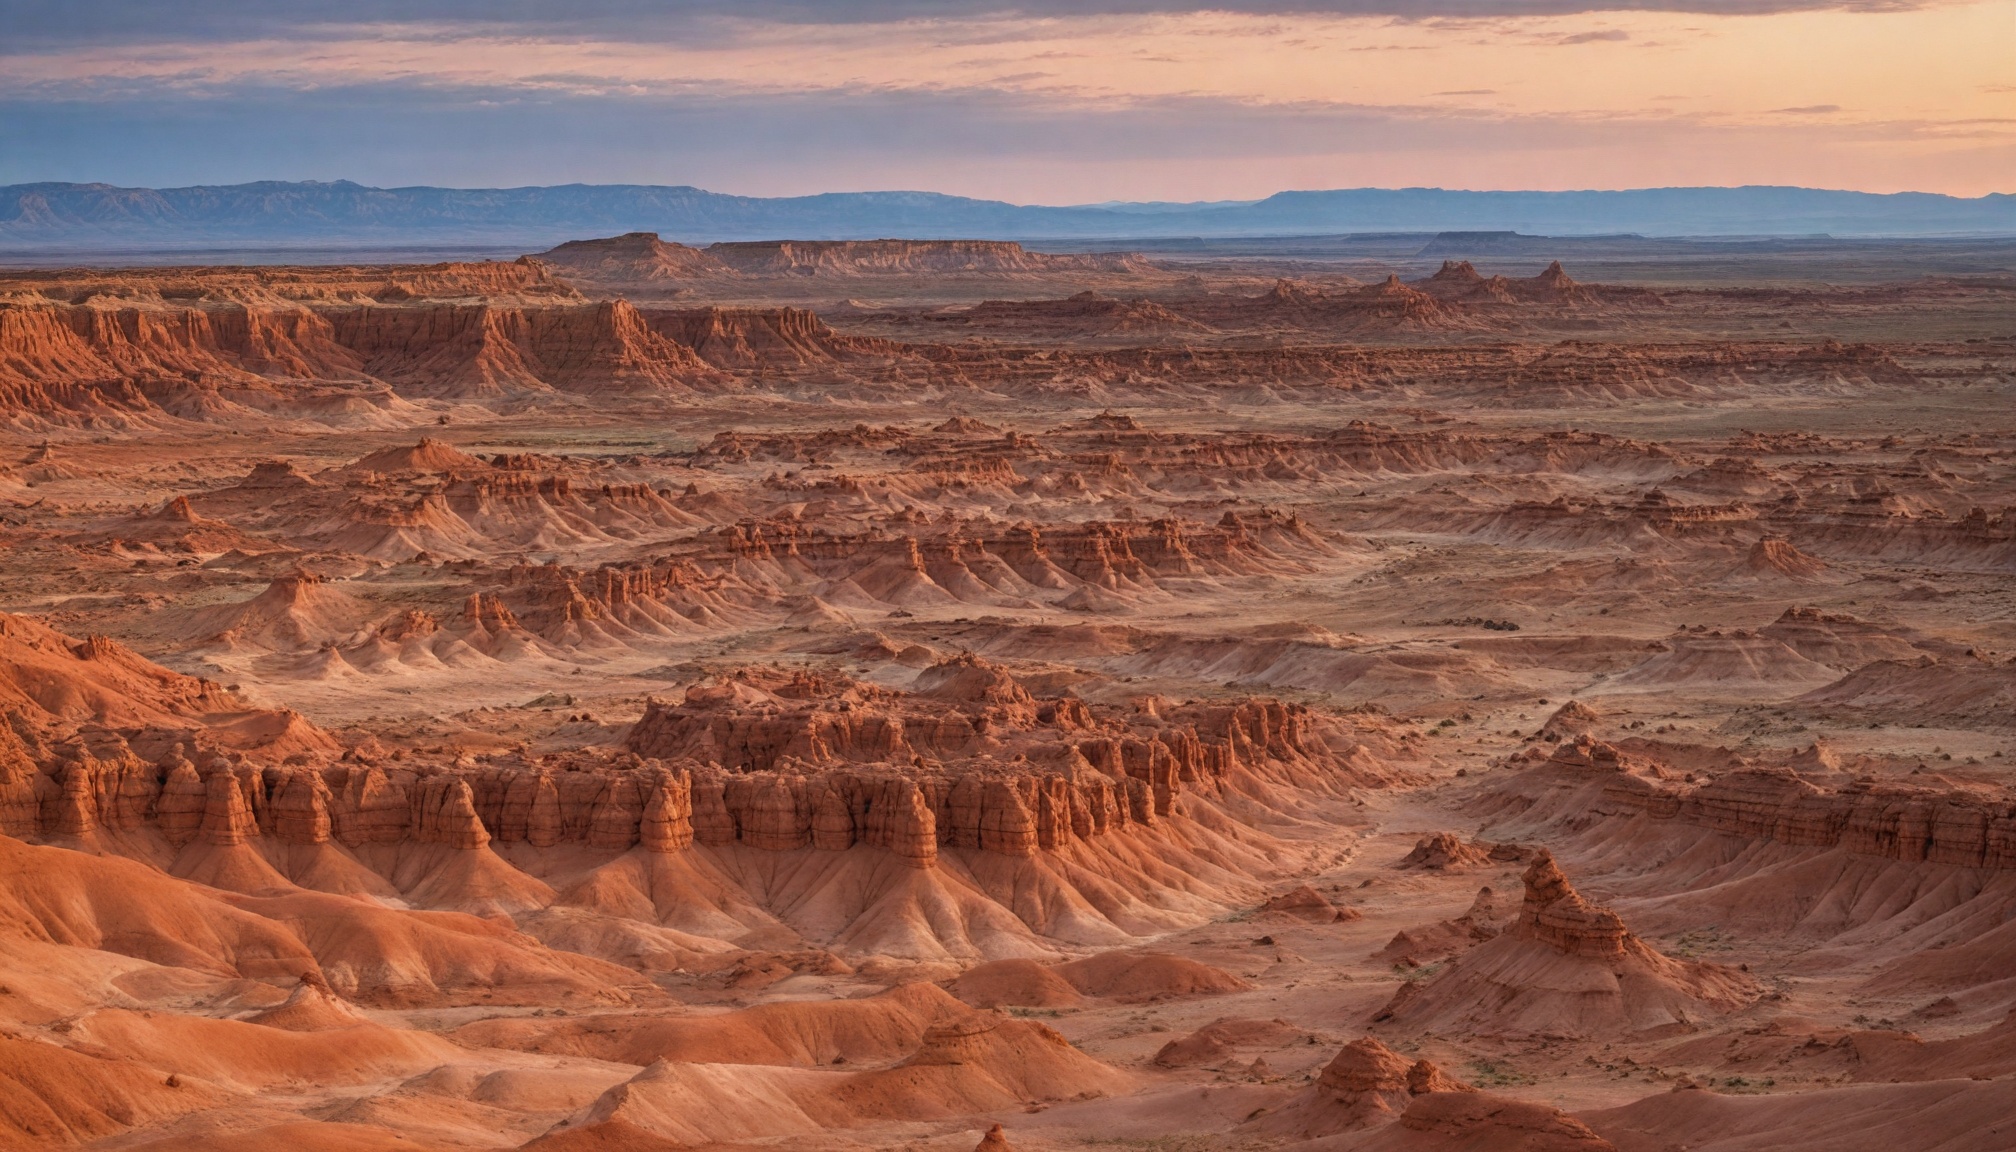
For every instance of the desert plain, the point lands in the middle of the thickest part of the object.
(1438, 693)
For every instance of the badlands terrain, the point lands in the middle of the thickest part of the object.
(938, 696)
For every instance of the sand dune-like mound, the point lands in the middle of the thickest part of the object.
(1444, 1121)
(1305, 904)
(1735, 661)
(178, 527)
(1960, 692)
(1125, 976)
(1842, 641)
(669, 1106)
(299, 1136)
(1776, 558)
(427, 455)
(1960, 1114)
(1566, 967)
(1222, 1040)
(1147, 976)
(634, 257)
(1430, 942)
(311, 1007)
(365, 951)
(53, 679)
(1792, 1046)
(249, 1056)
(125, 907)
(877, 1029)
(52, 1096)
(1021, 983)
(977, 1063)
(294, 612)
(51, 675)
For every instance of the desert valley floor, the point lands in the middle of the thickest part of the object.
(919, 695)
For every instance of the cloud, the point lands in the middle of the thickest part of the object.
(974, 141)
(30, 25)
(1808, 110)
(1469, 92)
(1608, 34)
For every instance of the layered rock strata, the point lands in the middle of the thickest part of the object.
(1893, 821)
(771, 761)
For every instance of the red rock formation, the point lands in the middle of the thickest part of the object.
(227, 817)
(297, 810)
(1892, 821)
(1445, 850)
(1487, 1120)
(766, 338)
(667, 822)
(632, 258)
(1566, 967)
(183, 801)
(444, 812)
(484, 349)
(1366, 1085)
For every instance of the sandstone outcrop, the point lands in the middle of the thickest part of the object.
(1895, 821)
(1366, 1085)
(1566, 967)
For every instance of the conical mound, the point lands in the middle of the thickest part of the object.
(1566, 967)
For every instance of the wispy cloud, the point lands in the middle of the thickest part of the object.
(1087, 101)
(36, 24)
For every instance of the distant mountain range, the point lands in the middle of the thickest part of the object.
(101, 216)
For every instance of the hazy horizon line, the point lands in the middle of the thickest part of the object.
(1086, 205)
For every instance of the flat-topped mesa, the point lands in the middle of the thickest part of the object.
(1939, 825)
(634, 257)
(972, 763)
(971, 760)
(965, 708)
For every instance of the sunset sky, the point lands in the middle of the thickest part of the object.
(1041, 103)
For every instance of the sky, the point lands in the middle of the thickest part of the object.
(1040, 102)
